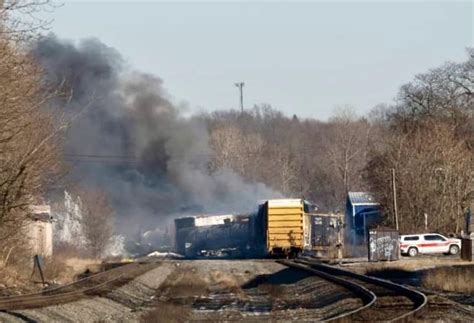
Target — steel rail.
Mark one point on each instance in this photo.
(78, 282)
(418, 298)
(34, 300)
(368, 297)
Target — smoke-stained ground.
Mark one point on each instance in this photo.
(130, 140)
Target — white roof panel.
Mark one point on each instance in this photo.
(205, 220)
(362, 198)
(285, 202)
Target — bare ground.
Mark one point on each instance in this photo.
(246, 290)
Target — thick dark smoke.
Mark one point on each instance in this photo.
(131, 141)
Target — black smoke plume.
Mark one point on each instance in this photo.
(131, 141)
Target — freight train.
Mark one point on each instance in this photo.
(279, 228)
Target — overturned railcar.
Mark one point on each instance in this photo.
(218, 236)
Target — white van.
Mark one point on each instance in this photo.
(428, 243)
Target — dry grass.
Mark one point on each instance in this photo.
(186, 282)
(409, 264)
(55, 270)
(184, 286)
(166, 312)
(183, 283)
(273, 290)
(17, 275)
(181, 287)
(228, 283)
(452, 279)
(68, 262)
(10, 276)
(12, 281)
(63, 270)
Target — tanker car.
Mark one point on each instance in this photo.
(215, 236)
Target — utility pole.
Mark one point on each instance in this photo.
(394, 189)
(240, 85)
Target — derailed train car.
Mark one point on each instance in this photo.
(216, 236)
(324, 234)
(281, 228)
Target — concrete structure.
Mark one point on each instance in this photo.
(39, 230)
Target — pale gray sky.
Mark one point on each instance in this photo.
(302, 58)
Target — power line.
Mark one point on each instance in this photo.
(100, 158)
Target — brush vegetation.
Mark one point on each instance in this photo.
(458, 279)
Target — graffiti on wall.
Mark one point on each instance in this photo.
(383, 247)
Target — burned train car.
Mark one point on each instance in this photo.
(215, 236)
(324, 234)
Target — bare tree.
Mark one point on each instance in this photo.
(445, 93)
(22, 20)
(347, 146)
(257, 145)
(429, 142)
(97, 217)
(435, 176)
(29, 138)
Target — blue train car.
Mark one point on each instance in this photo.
(362, 212)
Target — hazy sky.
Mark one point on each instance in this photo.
(302, 58)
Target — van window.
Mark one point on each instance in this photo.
(434, 237)
(415, 238)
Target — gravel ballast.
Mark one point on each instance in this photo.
(125, 304)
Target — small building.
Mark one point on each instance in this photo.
(362, 212)
(39, 230)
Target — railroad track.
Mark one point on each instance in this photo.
(93, 285)
(277, 293)
(382, 300)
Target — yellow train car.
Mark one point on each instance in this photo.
(284, 226)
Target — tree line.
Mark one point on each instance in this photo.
(426, 137)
